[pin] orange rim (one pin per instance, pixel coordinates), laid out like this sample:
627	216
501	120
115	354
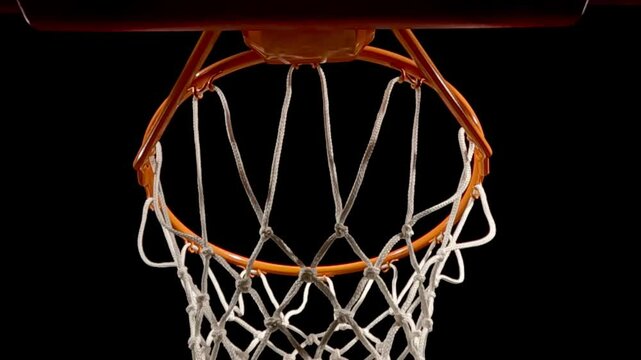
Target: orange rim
418	72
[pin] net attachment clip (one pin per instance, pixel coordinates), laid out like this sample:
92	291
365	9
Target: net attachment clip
198	92
145	176
192	246
414	81
386	266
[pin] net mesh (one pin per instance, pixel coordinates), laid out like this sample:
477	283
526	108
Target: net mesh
281	331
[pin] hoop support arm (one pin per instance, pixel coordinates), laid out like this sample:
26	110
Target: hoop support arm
165	113
461	112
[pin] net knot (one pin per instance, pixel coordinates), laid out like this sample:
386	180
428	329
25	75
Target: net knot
420	278
244	284
182	273
266	232
196	342
207	252
307	274
312	339
401	318
407	232
272	323
190	309
343	316
336	355
218	334
371	272
382	349
428	324
202	299
240	355
341	230
198	305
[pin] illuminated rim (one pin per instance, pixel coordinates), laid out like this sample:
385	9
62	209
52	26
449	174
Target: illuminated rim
410	71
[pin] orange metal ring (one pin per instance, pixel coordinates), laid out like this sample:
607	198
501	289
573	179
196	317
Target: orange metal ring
210	74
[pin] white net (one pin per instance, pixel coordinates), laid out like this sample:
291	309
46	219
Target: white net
280	331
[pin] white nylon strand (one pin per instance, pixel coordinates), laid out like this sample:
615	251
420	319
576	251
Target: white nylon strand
410	308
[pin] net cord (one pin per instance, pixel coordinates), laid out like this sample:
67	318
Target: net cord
411	308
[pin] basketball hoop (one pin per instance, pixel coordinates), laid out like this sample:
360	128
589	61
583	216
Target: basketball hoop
299	33
410	306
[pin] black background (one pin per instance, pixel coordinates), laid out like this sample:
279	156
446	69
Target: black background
558	106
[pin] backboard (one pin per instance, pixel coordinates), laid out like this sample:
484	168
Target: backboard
122	15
